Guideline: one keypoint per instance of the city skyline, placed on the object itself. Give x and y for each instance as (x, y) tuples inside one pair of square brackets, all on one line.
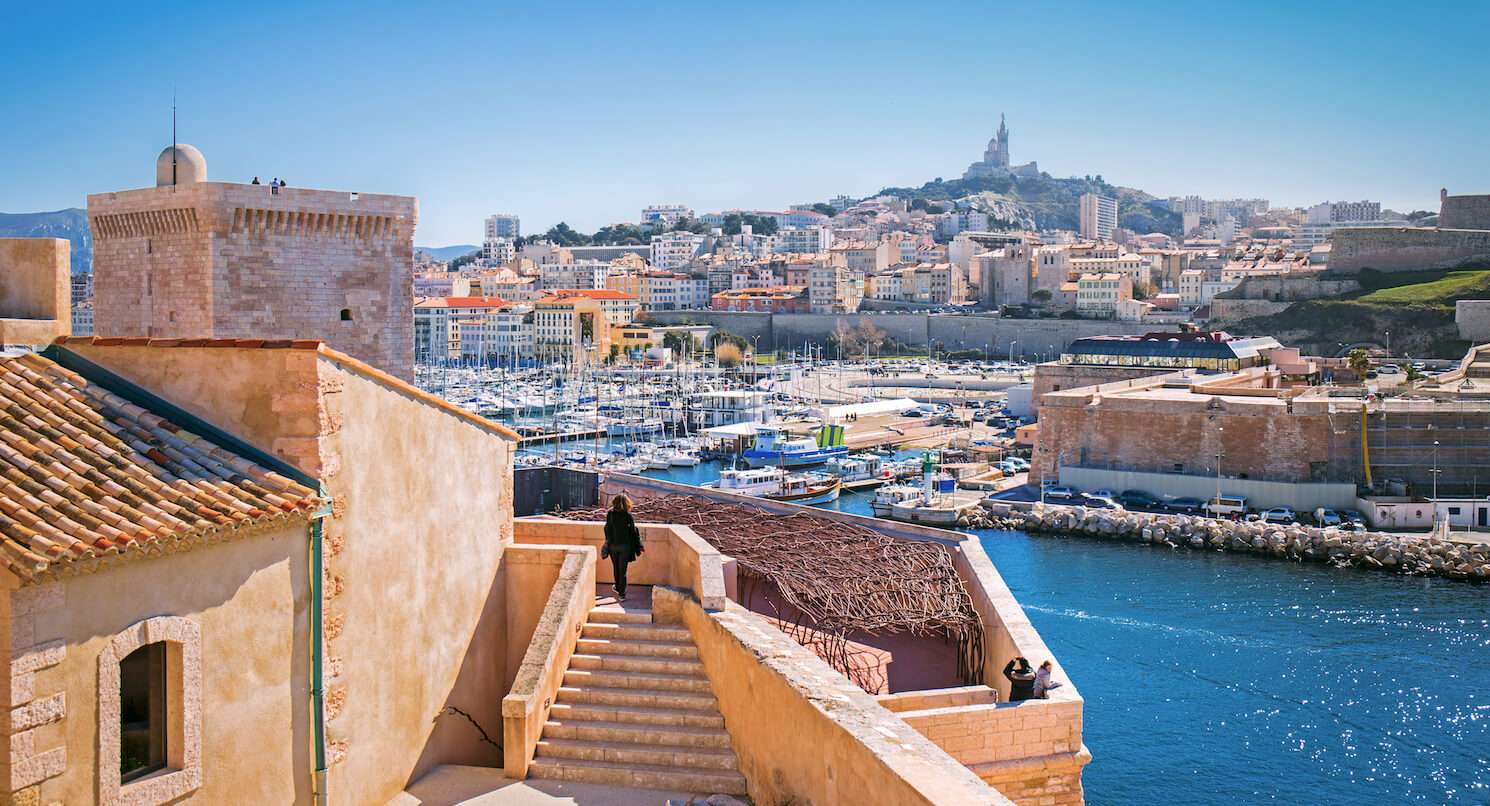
[(561, 120)]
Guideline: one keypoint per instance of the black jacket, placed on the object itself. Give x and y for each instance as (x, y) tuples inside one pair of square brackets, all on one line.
[(621, 533), (1021, 683)]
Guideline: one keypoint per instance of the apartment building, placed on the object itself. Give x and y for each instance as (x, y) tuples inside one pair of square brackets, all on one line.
[(575, 274), (572, 329), (863, 257), (780, 299), (502, 335), (834, 288), (1098, 295), (803, 240), (665, 215), (437, 331), (441, 284), (1098, 215), (672, 251), (619, 307)]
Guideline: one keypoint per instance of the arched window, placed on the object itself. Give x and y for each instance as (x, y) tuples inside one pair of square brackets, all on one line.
[(142, 712), (346, 314), (150, 712)]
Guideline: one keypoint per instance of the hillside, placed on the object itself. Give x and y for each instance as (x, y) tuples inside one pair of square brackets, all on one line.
[(70, 225), (1047, 202), (447, 252)]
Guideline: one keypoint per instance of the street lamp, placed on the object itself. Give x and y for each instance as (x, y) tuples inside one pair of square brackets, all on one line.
[(1435, 482), (1011, 350)]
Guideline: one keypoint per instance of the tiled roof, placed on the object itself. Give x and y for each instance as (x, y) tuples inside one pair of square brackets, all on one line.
[(84, 474)]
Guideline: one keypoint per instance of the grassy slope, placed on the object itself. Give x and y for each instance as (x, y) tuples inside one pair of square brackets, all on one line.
[(1432, 288)]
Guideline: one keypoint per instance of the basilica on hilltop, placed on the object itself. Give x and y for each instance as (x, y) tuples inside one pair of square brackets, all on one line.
[(995, 160)]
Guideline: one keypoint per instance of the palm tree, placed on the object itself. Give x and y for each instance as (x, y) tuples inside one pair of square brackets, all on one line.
[(1359, 362)]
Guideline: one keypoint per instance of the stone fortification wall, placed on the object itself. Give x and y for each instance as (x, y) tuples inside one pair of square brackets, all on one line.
[(1029, 337), (229, 261), (1235, 310), (1406, 248), (1465, 212), (1370, 550), (1289, 288), (1473, 318), (1258, 438)]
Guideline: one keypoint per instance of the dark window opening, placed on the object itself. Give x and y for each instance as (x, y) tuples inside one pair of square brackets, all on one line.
[(346, 314), (142, 712)]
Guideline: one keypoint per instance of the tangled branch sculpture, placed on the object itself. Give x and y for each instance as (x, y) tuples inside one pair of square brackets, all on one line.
[(838, 578)]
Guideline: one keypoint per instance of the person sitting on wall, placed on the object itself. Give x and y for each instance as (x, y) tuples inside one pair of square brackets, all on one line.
[(1043, 683), (623, 541), (1021, 679)]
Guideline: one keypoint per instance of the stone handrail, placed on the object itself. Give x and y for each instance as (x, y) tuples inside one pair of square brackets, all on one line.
[(526, 706), (804, 732), (674, 555)]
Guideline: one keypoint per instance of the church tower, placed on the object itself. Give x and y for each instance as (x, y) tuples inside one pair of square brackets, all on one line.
[(997, 154)]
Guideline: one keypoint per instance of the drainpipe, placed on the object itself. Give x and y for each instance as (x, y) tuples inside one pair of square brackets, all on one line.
[(317, 649)]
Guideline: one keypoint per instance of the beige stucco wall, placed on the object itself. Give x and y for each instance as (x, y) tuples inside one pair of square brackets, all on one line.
[(34, 274), (249, 597), (266, 397), (415, 605), (804, 733)]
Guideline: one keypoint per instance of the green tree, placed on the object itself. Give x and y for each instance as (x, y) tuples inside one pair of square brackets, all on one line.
[(1359, 362), (564, 235), (824, 208), (1040, 296)]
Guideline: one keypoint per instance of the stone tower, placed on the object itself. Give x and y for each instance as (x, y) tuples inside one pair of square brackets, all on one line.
[(997, 153), (194, 259)]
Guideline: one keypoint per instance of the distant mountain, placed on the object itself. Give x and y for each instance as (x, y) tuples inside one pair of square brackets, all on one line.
[(447, 252), (1045, 201), (70, 224)]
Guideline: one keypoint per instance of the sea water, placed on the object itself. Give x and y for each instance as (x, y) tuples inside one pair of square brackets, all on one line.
[(1214, 678)]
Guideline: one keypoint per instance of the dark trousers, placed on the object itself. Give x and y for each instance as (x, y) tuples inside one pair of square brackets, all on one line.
[(619, 559)]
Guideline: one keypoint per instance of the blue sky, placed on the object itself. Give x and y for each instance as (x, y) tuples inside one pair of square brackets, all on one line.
[(587, 112)]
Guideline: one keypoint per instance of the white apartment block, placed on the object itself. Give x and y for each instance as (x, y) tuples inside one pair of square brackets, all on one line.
[(665, 215), (500, 250), (577, 274), (803, 240), (437, 333), (1098, 216), (503, 225), (675, 250), (869, 258), (509, 285), (1344, 212), (504, 335), (82, 318), (1097, 295)]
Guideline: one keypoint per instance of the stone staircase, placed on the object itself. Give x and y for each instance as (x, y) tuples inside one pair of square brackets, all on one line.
[(636, 710)]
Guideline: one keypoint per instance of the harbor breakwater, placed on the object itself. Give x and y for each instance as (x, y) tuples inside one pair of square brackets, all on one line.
[(1428, 556)]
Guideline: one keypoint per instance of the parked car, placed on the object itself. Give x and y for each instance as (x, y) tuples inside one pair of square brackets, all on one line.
[(1388, 369), (1019, 462), (1226, 506), (1280, 515), (1060, 493), (1186, 505), (1100, 502), (1102, 492), (1138, 498), (1352, 516), (1327, 517), (911, 413)]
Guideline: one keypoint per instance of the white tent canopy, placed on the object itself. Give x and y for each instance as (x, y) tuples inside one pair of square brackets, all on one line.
[(731, 431)]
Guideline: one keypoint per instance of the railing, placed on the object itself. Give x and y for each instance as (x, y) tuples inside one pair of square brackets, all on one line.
[(526, 706), (674, 555)]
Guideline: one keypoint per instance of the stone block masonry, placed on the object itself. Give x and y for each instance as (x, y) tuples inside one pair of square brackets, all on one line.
[(215, 260)]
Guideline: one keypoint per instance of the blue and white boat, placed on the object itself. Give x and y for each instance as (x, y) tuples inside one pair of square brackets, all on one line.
[(776, 447)]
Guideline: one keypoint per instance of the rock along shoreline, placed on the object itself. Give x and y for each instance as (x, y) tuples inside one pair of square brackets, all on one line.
[(1425, 556)]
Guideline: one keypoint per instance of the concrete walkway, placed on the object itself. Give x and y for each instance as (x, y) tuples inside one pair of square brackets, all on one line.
[(453, 785)]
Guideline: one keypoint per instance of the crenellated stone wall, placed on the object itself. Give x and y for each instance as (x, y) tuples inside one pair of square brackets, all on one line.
[(221, 260), (1406, 248)]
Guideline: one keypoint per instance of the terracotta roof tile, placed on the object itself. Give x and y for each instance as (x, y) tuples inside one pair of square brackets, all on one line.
[(85, 474)]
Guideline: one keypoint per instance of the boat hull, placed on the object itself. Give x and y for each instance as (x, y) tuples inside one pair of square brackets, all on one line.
[(760, 458), (814, 495)]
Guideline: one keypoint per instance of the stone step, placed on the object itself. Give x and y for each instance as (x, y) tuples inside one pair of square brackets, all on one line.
[(640, 776), (650, 649), (635, 715), (658, 755), (639, 697), (627, 733), (636, 632), (632, 663), (595, 679), (610, 614)]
